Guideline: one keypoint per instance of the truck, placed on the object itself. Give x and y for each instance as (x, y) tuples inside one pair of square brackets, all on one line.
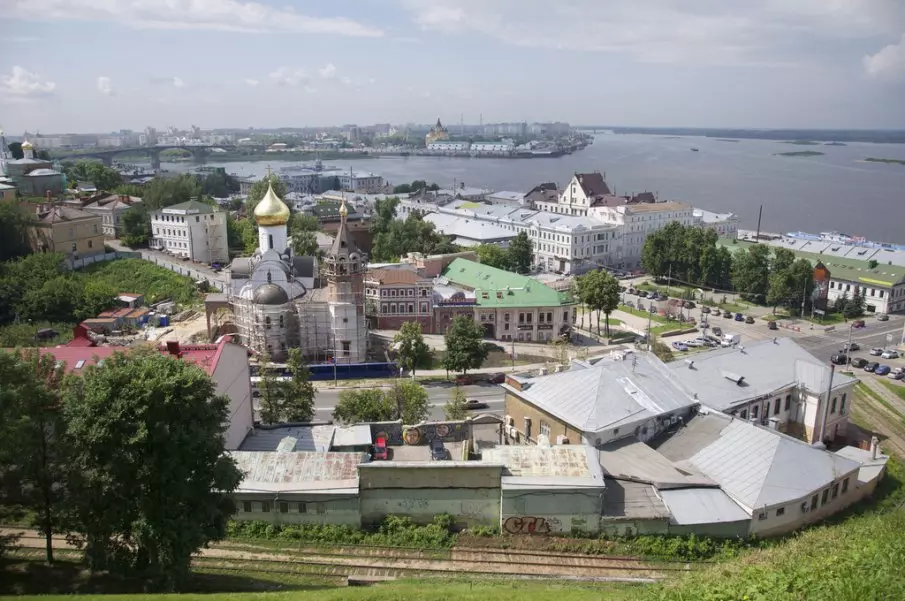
[(730, 339)]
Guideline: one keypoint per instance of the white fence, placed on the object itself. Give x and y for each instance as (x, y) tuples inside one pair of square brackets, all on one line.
[(182, 268)]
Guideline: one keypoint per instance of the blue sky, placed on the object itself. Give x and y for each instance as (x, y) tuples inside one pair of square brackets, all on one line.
[(102, 65)]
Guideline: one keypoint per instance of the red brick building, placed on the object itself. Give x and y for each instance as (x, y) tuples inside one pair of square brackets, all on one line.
[(395, 295)]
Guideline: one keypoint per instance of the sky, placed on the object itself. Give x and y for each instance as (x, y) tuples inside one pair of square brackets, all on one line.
[(105, 65)]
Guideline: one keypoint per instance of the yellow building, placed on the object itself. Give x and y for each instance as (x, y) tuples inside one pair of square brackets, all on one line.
[(73, 232), (437, 132)]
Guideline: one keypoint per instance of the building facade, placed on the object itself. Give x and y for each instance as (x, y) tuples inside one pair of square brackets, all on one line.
[(110, 209), (436, 133), (394, 296), (192, 229), (66, 230)]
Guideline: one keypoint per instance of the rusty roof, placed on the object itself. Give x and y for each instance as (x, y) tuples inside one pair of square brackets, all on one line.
[(267, 471), (554, 465)]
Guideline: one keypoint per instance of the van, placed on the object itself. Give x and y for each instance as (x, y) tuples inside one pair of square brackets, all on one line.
[(731, 339)]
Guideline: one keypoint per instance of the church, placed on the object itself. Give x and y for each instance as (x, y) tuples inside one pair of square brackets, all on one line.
[(281, 301)]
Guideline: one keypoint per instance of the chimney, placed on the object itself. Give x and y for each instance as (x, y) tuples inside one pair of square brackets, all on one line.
[(874, 447), (173, 347)]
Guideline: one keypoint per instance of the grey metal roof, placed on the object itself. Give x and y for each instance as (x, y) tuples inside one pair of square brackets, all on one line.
[(240, 267), (608, 394), (352, 436), (298, 472), (303, 266), (289, 438), (466, 227), (871, 469), (702, 506), (630, 459), (756, 466), (626, 500), (766, 367)]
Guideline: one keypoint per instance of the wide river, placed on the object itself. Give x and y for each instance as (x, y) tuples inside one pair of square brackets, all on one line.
[(835, 191)]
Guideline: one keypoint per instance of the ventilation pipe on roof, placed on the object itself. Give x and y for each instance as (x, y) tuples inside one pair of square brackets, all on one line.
[(874, 446)]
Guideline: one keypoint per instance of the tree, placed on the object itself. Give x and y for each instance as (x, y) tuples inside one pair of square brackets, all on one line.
[(162, 192), (150, 483), (413, 351), (520, 253), (662, 351), (300, 391), (493, 255), (218, 184), (366, 405), (411, 401), (33, 456), (95, 298), (56, 300), (15, 150), (841, 302), (782, 260), (751, 271), (259, 189), (855, 307), (402, 189), (465, 347), (13, 231), (384, 214), (136, 226), (802, 276), (103, 177), (303, 229), (608, 298), (272, 392), (455, 408)]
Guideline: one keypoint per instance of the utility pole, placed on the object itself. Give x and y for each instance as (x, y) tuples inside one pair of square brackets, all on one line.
[(760, 213), (848, 349), (668, 279), (650, 315), (804, 296)]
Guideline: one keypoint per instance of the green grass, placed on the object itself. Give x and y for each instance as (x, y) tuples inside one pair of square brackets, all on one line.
[(613, 321), (737, 307), (642, 314), (896, 389), (668, 327), (23, 334), (827, 320), (142, 277)]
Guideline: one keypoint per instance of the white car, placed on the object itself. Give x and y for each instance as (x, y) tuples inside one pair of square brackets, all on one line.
[(890, 354), (692, 343), (876, 352)]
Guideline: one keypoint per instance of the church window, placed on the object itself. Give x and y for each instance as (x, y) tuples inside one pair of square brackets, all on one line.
[(347, 348), (270, 240), (267, 322), (281, 321)]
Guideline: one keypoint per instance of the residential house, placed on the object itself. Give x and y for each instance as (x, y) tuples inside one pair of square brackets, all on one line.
[(111, 208), (72, 232), (396, 295), (583, 191), (194, 230)]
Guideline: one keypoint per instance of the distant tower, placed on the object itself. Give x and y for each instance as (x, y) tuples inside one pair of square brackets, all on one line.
[(28, 150), (344, 270)]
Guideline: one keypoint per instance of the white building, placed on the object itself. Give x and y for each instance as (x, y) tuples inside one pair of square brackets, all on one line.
[(111, 209), (584, 191), (360, 181), (636, 221), (191, 229), (724, 224), (503, 197), (447, 146), (500, 148)]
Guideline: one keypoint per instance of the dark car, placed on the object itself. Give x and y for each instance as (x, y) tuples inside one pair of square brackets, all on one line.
[(704, 309), (438, 450), (859, 362), (772, 325), (839, 359), (749, 319), (642, 293), (497, 378), (472, 404), (691, 305), (739, 317), (858, 323), (870, 367), (882, 370), (492, 346), (380, 448), (727, 315), (853, 346)]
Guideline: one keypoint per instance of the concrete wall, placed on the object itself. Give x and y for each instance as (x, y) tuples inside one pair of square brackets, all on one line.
[(470, 493), (232, 378), (551, 512), (634, 527), (519, 410), (284, 508), (715, 530)]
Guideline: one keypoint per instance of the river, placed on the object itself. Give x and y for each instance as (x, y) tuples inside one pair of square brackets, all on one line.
[(835, 191)]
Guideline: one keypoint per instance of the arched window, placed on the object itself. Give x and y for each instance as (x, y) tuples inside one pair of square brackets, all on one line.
[(281, 321), (267, 322), (270, 241)]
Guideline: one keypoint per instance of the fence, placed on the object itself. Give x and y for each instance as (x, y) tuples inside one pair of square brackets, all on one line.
[(86, 261)]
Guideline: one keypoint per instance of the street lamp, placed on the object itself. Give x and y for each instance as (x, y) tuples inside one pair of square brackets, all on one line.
[(848, 348)]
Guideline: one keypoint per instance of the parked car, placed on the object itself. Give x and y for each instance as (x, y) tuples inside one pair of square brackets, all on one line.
[(438, 450), (717, 331), (897, 376), (632, 291), (705, 310), (876, 351), (749, 319), (839, 359), (380, 448), (859, 362), (882, 317), (691, 343), (680, 346), (690, 305), (492, 346), (853, 346), (642, 293), (475, 404), (771, 325), (858, 323), (882, 370), (870, 367), (497, 378), (728, 314), (890, 354), (662, 297), (739, 317)]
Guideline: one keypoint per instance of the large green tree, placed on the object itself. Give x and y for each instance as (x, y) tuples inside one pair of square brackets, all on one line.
[(95, 172), (455, 408), (599, 290), (465, 348), (259, 189), (219, 184), (303, 230), (299, 398), (136, 226), (14, 224), (33, 455), (413, 351), (364, 405), (751, 272), (520, 253), (272, 392), (150, 483), (411, 401), (493, 255)]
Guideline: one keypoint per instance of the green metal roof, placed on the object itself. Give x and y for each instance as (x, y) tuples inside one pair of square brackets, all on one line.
[(841, 268), (499, 288), (193, 206)]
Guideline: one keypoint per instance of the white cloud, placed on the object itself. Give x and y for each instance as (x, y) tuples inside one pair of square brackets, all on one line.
[(220, 15), (327, 71), (251, 82), (287, 76), (105, 86), (664, 31), (178, 83), (21, 84), (888, 63)]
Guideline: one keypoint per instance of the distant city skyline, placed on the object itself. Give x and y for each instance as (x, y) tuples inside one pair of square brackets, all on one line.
[(102, 65)]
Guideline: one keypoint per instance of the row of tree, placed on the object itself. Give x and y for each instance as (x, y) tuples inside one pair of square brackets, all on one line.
[(599, 291), (516, 257), (393, 237), (127, 460), (286, 400), (415, 186), (687, 254)]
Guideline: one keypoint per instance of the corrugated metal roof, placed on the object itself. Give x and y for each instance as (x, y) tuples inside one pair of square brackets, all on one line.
[(702, 506), (303, 471), (289, 438), (629, 459), (546, 466), (608, 394), (626, 500), (352, 436), (766, 367)]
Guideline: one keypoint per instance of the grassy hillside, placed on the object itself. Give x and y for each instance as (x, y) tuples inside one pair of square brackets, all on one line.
[(143, 277)]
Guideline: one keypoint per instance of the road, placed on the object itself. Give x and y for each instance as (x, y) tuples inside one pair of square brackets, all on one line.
[(439, 394)]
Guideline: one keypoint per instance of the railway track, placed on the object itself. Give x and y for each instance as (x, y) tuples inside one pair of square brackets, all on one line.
[(395, 562)]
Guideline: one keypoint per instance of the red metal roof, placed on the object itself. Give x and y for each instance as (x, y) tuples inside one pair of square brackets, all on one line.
[(205, 356)]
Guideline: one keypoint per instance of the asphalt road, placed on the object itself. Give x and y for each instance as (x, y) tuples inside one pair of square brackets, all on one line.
[(491, 394)]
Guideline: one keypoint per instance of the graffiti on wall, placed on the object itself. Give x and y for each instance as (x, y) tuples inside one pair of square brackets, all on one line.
[(397, 434), (530, 525)]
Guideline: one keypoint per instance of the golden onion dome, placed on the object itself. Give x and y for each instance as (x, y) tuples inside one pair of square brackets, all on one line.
[(27, 144), (343, 209), (271, 210)]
